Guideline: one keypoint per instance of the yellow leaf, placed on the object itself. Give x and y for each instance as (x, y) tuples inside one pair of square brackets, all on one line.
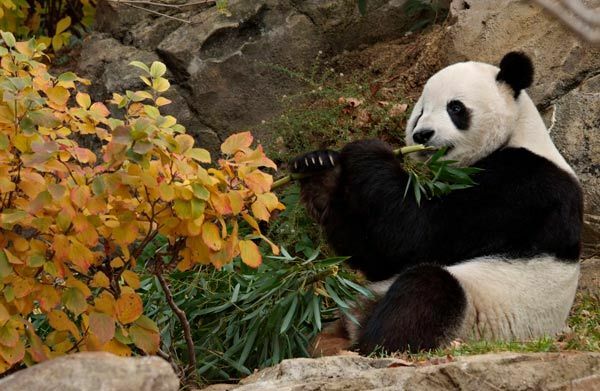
[(260, 211), (83, 288), (211, 236), (250, 220), (61, 322), (116, 347), (83, 100), (129, 307), (117, 262), (58, 95), (166, 192), (184, 143), (160, 84), (199, 154), (157, 69), (4, 314), (105, 302), (147, 340), (100, 280), (62, 25), (9, 336), (131, 278), (235, 142), (236, 201), (250, 254)]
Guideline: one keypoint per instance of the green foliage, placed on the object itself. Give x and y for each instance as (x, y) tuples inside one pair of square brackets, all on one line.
[(243, 318), (294, 229), (336, 109), (436, 176)]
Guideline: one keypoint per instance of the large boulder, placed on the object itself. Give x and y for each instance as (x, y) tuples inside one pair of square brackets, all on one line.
[(230, 67), (95, 371), (502, 371)]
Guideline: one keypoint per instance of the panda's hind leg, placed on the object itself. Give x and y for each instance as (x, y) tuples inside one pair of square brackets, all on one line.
[(423, 309)]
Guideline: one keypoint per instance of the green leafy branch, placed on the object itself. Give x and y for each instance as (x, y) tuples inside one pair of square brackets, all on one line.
[(430, 178)]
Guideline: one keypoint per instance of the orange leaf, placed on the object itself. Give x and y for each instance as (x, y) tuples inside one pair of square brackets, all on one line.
[(221, 203), (235, 142), (100, 109), (48, 298), (61, 322), (211, 236), (259, 182), (103, 326), (105, 302), (236, 201), (100, 280), (131, 278), (259, 210), (38, 351), (116, 347), (13, 355), (129, 307), (250, 254)]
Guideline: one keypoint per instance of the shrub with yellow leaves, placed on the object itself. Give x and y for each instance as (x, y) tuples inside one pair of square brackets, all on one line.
[(73, 221)]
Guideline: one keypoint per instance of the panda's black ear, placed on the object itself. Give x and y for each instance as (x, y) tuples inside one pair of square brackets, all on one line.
[(516, 70)]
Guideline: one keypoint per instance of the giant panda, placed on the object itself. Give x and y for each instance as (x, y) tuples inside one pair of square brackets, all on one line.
[(496, 261)]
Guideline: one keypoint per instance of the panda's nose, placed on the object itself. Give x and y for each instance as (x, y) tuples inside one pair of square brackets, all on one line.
[(423, 135)]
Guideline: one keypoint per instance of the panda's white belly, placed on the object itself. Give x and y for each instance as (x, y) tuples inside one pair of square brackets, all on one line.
[(515, 300)]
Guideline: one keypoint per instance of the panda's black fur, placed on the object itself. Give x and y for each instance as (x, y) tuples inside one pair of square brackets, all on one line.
[(523, 205)]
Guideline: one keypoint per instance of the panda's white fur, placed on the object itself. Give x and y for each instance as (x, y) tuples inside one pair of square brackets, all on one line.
[(507, 299), (498, 261), (499, 118)]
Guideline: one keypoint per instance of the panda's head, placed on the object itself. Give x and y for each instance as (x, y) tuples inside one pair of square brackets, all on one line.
[(470, 107)]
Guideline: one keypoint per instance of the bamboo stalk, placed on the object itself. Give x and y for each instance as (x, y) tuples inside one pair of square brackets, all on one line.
[(400, 151)]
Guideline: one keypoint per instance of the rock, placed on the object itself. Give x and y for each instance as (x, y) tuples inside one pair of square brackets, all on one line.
[(506, 371), (228, 65), (574, 121), (95, 371), (484, 30)]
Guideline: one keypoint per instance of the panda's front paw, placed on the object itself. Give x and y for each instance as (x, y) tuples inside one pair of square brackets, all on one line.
[(314, 162)]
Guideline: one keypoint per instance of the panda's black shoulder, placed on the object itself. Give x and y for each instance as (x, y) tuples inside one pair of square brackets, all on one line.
[(519, 166)]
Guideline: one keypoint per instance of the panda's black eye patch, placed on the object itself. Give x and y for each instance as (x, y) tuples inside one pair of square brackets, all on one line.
[(459, 114)]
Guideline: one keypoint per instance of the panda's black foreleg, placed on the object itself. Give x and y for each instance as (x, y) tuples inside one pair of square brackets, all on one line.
[(321, 172), (423, 309)]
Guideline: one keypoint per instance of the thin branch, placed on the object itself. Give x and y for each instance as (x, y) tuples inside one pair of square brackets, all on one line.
[(154, 12), (177, 6), (581, 20), (185, 324)]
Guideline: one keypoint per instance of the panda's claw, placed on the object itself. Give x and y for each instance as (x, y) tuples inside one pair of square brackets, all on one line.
[(314, 161)]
